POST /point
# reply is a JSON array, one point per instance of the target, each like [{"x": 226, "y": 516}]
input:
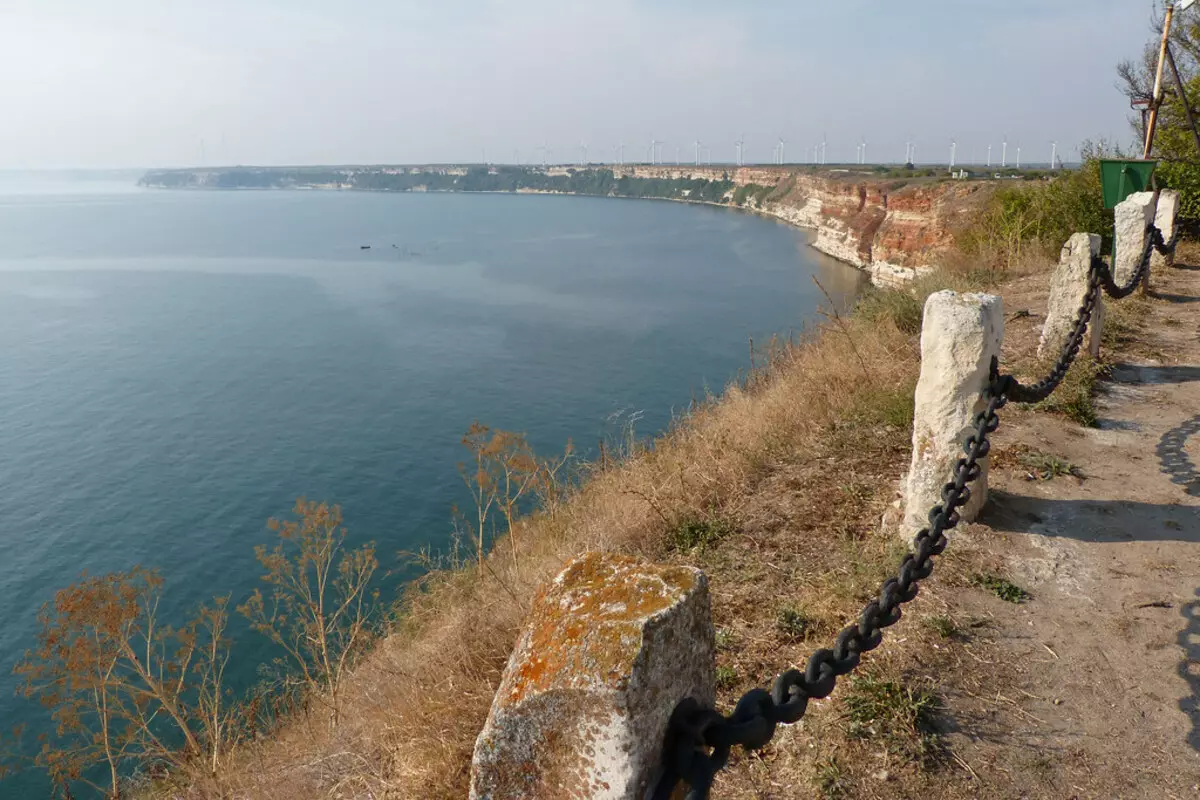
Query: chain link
[
  {"x": 1099, "y": 276},
  {"x": 699, "y": 740}
]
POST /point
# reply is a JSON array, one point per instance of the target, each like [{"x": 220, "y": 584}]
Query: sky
[{"x": 156, "y": 83}]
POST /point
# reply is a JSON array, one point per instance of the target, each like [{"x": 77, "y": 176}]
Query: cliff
[
  {"x": 892, "y": 228},
  {"x": 892, "y": 231}
]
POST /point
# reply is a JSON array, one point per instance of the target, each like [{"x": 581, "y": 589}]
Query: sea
[{"x": 176, "y": 367}]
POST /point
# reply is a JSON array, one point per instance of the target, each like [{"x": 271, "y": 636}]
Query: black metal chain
[
  {"x": 695, "y": 730},
  {"x": 699, "y": 739},
  {"x": 1099, "y": 275},
  {"x": 1154, "y": 241}
]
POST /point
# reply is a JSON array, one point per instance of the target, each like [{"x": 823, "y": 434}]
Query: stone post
[
  {"x": 959, "y": 337},
  {"x": 1132, "y": 216},
  {"x": 612, "y": 645},
  {"x": 1068, "y": 288},
  {"x": 1164, "y": 220}
]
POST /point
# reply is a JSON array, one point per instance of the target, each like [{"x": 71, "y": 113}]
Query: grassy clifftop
[{"x": 775, "y": 489}]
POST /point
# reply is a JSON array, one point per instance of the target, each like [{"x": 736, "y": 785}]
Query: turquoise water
[{"x": 176, "y": 367}]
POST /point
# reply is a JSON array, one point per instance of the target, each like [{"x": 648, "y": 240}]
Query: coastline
[{"x": 807, "y": 218}]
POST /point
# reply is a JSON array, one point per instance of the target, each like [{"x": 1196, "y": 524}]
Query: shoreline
[{"x": 880, "y": 273}]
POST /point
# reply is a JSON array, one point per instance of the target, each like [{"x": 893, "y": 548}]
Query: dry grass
[{"x": 789, "y": 472}]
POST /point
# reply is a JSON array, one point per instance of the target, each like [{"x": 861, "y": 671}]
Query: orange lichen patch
[{"x": 585, "y": 629}]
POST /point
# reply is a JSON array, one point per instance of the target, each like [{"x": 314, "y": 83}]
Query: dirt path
[{"x": 1091, "y": 688}]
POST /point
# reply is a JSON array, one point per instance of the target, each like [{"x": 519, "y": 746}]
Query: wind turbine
[
  {"x": 740, "y": 144},
  {"x": 1018, "y": 156},
  {"x": 621, "y": 154},
  {"x": 1053, "y": 154},
  {"x": 698, "y": 143},
  {"x": 864, "y": 150},
  {"x": 908, "y": 152},
  {"x": 545, "y": 153},
  {"x": 953, "y": 152},
  {"x": 989, "y": 161},
  {"x": 858, "y": 153},
  {"x": 824, "y": 141},
  {"x": 1004, "y": 154},
  {"x": 781, "y": 143},
  {"x": 583, "y": 153}
]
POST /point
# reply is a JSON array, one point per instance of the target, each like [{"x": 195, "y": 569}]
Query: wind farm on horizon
[{"x": 699, "y": 153}]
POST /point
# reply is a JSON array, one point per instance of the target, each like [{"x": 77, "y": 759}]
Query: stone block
[
  {"x": 612, "y": 645},
  {"x": 1068, "y": 288},
  {"x": 1164, "y": 220},
  {"x": 1132, "y": 215},
  {"x": 959, "y": 336}
]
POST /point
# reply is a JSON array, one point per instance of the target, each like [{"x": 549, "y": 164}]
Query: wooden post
[{"x": 1158, "y": 75}]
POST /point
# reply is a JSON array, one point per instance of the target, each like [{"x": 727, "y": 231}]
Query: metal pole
[
  {"x": 1162, "y": 57},
  {"x": 1187, "y": 106}
]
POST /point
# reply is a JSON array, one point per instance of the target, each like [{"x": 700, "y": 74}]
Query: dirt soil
[{"x": 1090, "y": 688}]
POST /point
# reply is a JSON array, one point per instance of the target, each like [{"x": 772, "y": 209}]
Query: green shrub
[
  {"x": 794, "y": 624},
  {"x": 902, "y": 307},
  {"x": 1039, "y": 216},
  {"x": 886, "y": 405},
  {"x": 943, "y": 626},
  {"x": 1003, "y": 588},
  {"x": 695, "y": 532},
  {"x": 727, "y": 677},
  {"x": 1075, "y": 396},
  {"x": 900, "y": 717},
  {"x": 830, "y": 780}
]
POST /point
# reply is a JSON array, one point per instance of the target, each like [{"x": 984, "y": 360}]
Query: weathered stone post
[
  {"x": 1132, "y": 215},
  {"x": 613, "y": 644},
  {"x": 1068, "y": 288},
  {"x": 959, "y": 337},
  {"x": 1164, "y": 220}
]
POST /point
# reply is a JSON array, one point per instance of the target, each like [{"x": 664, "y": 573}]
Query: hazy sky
[{"x": 133, "y": 83}]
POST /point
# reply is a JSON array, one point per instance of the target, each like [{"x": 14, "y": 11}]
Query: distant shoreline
[{"x": 890, "y": 223}]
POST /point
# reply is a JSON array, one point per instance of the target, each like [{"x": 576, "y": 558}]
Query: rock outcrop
[
  {"x": 891, "y": 230},
  {"x": 895, "y": 229}
]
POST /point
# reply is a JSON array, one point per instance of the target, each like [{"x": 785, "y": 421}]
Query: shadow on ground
[
  {"x": 1176, "y": 298},
  {"x": 1136, "y": 373},
  {"x": 1172, "y": 455},
  {"x": 1092, "y": 520},
  {"x": 1189, "y": 667}
]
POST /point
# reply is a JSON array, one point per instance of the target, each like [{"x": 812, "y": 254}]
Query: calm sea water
[{"x": 177, "y": 367}]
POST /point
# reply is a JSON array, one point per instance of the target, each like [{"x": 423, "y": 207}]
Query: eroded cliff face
[{"x": 893, "y": 229}]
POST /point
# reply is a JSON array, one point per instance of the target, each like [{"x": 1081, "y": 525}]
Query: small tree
[
  {"x": 121, "y": 688},
  {"x": 481, "y": 482},
  {"x": 321, "y": 605},
  {"x": 505, "y": 475}
]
